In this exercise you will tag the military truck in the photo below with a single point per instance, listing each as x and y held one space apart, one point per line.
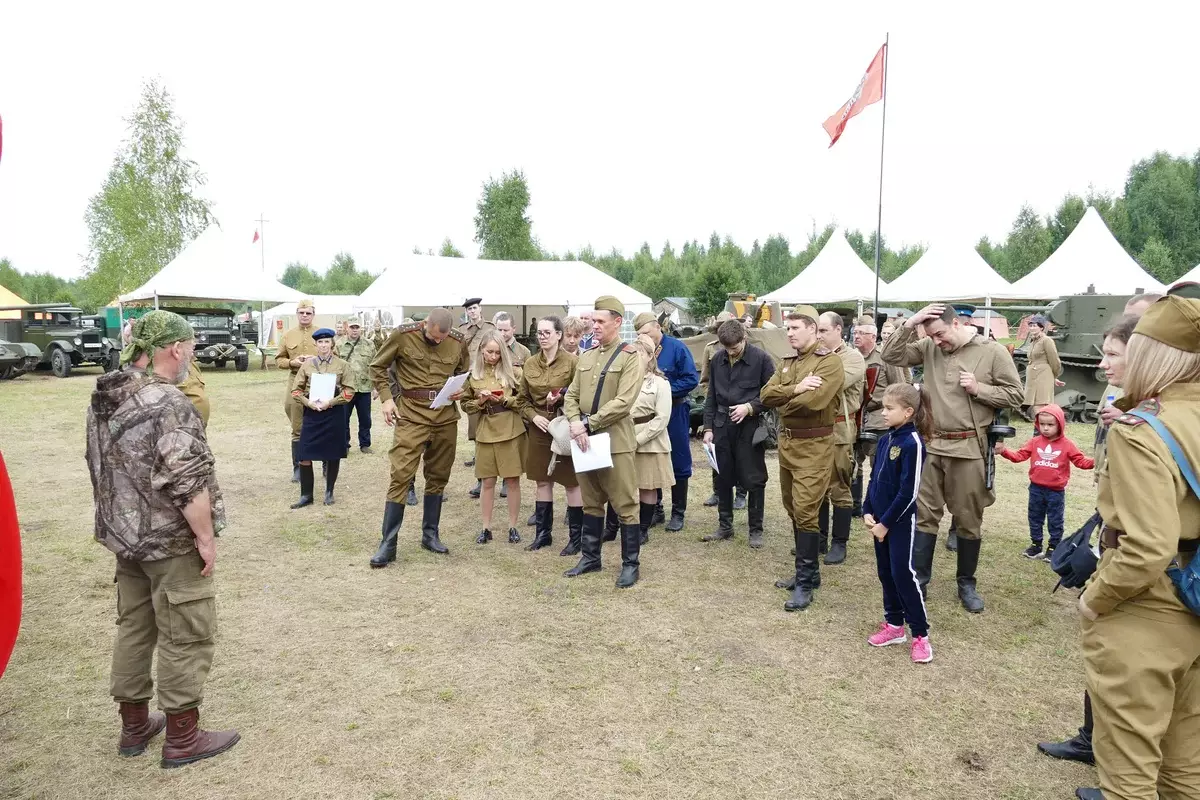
17 358
59 333
219 339
742 303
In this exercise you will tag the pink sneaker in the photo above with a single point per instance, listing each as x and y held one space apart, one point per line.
922 650
888 634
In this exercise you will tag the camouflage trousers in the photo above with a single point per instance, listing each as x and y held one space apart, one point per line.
170 606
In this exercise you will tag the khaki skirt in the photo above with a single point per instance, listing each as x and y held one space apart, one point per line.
654 470
537 461
500 459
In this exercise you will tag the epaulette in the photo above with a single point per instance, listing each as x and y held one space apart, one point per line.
1150 406
823 351
628 348
456 334
409 327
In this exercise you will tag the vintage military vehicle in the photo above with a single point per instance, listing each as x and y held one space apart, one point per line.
219 339
17 358
64 341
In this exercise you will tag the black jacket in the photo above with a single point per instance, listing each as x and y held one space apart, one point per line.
732 384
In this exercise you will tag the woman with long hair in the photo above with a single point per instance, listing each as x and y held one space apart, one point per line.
651 412
491 392
1141 644
543 386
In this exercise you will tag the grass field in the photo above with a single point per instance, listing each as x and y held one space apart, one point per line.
488 674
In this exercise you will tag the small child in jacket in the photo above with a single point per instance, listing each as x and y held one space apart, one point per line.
1053 454
890 514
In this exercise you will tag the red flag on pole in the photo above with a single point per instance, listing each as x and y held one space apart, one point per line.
255 239
870 90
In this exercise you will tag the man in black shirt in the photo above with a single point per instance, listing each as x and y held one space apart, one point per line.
732 423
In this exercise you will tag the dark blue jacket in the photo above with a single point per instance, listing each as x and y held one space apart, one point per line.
675 361
895 476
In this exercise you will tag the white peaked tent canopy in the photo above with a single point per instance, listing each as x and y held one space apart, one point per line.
1090 258
948 272
1192 276
836 275
417 281
213 267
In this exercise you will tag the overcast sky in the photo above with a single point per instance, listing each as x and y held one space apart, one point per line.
368 130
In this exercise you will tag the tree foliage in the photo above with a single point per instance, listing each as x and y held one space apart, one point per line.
342 277
503 229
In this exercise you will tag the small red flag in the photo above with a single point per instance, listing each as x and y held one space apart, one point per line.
870 90
255 239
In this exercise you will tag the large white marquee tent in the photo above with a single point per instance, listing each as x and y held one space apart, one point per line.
1090 259
1193 276
948 272
836 275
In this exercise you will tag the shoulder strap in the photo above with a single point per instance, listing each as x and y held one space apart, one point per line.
603 375
1176 451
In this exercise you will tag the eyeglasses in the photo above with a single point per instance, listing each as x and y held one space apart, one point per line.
545 333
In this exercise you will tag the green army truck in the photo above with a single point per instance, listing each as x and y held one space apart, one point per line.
219 339
59 333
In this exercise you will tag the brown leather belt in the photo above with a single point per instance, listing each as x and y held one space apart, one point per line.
419 394
807 433
493 410
1110 538
549 411
839 418
642 420
955 434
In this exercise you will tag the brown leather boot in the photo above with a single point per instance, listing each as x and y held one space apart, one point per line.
187 743
138 727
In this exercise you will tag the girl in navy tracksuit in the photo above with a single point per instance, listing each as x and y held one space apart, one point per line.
890 513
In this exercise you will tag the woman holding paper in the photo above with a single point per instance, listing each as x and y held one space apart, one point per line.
491 392
651 412
323 386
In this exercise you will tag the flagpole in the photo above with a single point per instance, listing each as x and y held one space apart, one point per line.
879 217
262 251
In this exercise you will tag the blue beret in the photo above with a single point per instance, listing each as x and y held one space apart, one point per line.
323 333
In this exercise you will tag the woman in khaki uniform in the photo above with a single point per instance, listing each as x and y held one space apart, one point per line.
323 428
651 412
1043 369
543 385
1141 644
491 392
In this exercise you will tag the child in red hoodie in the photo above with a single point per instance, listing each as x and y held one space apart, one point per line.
1052 453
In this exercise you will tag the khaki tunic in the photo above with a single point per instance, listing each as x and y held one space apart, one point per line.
193 388
886 376
297 343
538 379
617 484
472 338
845 430
805 464
422 432
519 354
500 437
334 365
653 458
1042 369
1142 653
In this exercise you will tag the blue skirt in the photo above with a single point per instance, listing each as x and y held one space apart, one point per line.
323 435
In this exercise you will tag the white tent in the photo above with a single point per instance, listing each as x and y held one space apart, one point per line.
329 307
1090 259
948 272
1192 276
836 275
213 267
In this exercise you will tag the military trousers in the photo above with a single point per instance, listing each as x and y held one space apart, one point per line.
294 410
957 485
413 441
841 477
805 467
616 485
1143 677
169 606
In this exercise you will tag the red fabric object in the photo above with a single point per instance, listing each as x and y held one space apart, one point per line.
255 239
10 569
1052 458
870 90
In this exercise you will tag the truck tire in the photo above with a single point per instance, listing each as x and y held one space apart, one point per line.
60 363
113 362
241 362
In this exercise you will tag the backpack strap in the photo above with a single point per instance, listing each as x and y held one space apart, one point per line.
603 375
1176 451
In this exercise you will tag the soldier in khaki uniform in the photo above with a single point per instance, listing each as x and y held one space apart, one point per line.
296 348
424 355
358 351
805 390
517 354
607 381
870 422
968 378
1141 644
845 434
470 331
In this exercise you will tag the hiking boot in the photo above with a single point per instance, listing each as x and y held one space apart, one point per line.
888 634
922 650
1034 551
186 742
138 727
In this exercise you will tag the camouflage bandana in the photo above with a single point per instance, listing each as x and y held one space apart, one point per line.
156 329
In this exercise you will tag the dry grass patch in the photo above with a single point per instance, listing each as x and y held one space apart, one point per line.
487 674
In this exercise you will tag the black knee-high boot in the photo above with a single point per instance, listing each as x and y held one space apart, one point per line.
679 495
393 517
631 544
574 531
612 524
645 515
544 511
295 463
590 541
823 526
306 486
331 474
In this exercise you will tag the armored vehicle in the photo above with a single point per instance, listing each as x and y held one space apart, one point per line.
218 338
772 340
64 341
17 358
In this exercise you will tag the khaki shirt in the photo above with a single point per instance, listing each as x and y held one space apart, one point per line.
317 366
654 399
498 427
419 366
849 399
193 388
1144 495
812 409
621 387
953 409
710 350
297 343
358 353
519 354
471 335
538 379
885 376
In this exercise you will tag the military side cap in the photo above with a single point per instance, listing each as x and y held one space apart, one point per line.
724 316
1188 289
609 303
472 301
353 322
305 303
643 318
323 333
807 311
1174 321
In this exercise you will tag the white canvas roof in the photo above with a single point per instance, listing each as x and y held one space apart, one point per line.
341 305
213 267
1193 276
948 272
1090 257
417 281
836 275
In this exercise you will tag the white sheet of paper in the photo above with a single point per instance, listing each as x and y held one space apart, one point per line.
598 455
710 450
453 385
321 386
